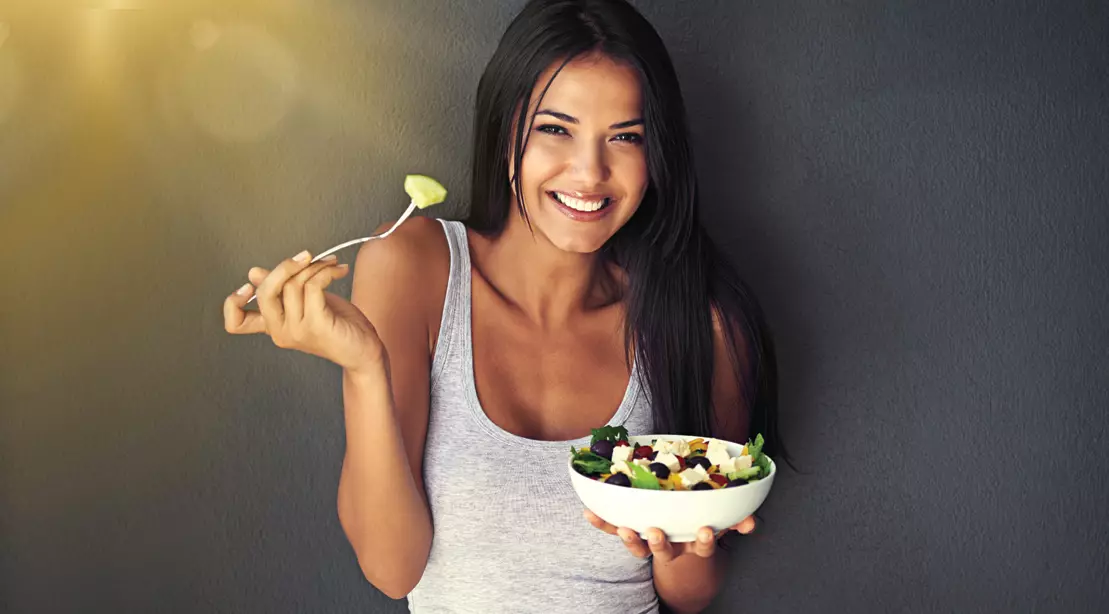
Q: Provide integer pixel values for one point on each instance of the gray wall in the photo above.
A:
(916, 190)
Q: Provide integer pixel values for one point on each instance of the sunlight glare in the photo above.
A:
(204, 34)
(240, 82)
(11, 76)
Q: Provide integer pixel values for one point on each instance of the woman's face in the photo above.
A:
(584, 167)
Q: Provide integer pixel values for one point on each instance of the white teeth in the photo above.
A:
(579, 204)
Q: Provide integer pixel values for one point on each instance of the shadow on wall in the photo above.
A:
(735, 161)
(731, 165)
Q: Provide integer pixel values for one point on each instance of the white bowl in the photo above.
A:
(678, 513)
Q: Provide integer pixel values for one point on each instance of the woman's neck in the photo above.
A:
(548, 285)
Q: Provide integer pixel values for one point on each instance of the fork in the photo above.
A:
(407, 213)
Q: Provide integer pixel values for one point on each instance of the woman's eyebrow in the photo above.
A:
(573, 120)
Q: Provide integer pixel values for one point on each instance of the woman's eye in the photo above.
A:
(627, 137)
(551, 129)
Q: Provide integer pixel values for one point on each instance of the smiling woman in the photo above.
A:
(581, 292)
(584, 157)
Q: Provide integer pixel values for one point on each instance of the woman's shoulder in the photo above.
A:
(418, 246)
(409, 268)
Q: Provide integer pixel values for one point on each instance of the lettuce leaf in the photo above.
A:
(760, 463)
(588, 462)
(763, 462)
(611, 433)
(755, 449)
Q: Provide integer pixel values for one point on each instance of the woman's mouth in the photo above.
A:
(583, 209)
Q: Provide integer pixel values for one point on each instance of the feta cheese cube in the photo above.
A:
(642, 462)
(621, 467)
(693, 475)
(621, 453)
(680, 447)
(718, 455)
(727, 466)
(743, 462)
(669, 460)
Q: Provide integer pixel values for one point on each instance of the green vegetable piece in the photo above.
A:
(745, 474)
(763, 462)
(755, 449)
(758, 459)
(589, 463)
(610, 433)
(644, 478)
(424, 190)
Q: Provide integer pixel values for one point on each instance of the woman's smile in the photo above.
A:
(581, 207)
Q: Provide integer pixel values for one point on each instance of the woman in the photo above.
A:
(581, 291)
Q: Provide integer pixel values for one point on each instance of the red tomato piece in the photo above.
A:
(681, 463)
(719, 479)
(643, 452)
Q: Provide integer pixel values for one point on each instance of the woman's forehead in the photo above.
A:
(590, 88)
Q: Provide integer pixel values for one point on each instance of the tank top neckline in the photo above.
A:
(462, 272)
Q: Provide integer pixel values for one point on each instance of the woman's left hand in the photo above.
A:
(660, 547)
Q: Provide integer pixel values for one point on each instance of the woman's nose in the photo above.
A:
(590, 164)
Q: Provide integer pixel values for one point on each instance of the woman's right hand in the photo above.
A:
(297, 314)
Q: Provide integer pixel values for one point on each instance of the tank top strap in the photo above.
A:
(454, 328)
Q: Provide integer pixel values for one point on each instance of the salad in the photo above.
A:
(668, 464)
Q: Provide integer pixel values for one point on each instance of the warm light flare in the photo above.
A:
(239, 83)
(11, 77)
(204, 34)
(241, 108)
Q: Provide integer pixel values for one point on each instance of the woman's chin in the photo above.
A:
(581, 248)
(579, 242)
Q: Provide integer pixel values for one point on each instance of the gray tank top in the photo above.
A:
(509, 535)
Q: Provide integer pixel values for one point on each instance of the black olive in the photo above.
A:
(693, 461)
(661, 471)
(619, 479)
(736, 483)
(602, 448)
(702, 486)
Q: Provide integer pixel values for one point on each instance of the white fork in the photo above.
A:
(407, 213)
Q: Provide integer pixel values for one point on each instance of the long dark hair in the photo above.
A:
(677, 278)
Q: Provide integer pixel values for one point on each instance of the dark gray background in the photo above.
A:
(916, 190)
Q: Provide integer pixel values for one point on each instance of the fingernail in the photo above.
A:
(705, 538)
(654, 539)
(301, 257)
(626, 536)
(245, 290)
(330, 258)
(344, 266)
